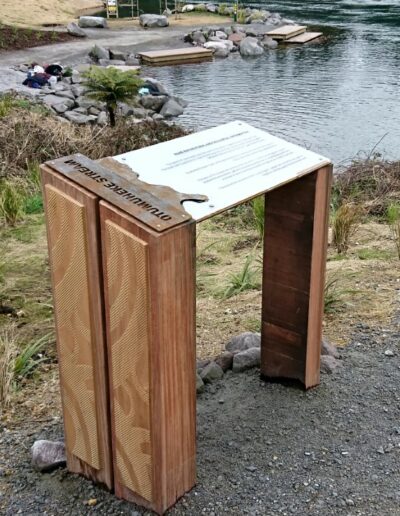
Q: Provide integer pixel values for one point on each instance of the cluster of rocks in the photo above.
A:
(112, 57)
(244, 352)
(245, 16)
(249, 40)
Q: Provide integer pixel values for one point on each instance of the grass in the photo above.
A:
(332, 293)
(345, 221)
(374, 254)
(243, 280)
(258, 205)
(8, 351)
(12, 201)
(30, 357)
(393, 218)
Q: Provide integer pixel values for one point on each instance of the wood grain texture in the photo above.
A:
(72, 227)
(172, 396)
(295, 242)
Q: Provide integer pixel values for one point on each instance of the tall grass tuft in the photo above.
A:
(258, 205)
(393, 218)
(12, 200)
(30, 357)
(246, 279)
(345, 221)
(8, 351)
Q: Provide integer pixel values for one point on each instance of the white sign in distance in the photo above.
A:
(229, 164)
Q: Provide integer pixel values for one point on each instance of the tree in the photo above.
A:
(110, 85)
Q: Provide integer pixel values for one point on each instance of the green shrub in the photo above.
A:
(241, 16)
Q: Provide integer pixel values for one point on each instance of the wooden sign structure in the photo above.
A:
(122, 254)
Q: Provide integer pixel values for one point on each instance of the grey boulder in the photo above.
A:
(97, 52)
(328, 349)
(211, 373)
(75, 30)
(153, 20)
(250, 47)
(246, 359)
(199, 383)
(48, 455)
(65, 94)
(77, 118)
(171, 108)
(119, 55)
(102, 118)
(225, 360)
(269, 43)
(198, 37)
(244, 341)
(219, 47)
(92, 22)
(153, 102)
(329, 364)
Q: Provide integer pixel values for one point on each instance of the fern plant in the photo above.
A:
(110, 85)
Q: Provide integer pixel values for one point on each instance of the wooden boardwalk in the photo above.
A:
(286, 32)
(304, 38)
(176, 56)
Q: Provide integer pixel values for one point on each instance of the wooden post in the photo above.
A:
(149, 284)
(73, 239)
(295, 241)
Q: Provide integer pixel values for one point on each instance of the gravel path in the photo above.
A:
(263, 448)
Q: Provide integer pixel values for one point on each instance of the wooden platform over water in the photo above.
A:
(286, 32)
(176, 56)
(304, 38)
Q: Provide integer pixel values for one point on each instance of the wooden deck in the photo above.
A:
(304, 38)
(176, 56)
(286, 32)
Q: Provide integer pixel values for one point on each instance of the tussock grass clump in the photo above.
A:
(393, 217)
(258, 205)
(12, 200)
(375, 183)
(345, 221)
(8, 351)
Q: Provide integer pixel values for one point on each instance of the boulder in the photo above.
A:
(78, 90)
(138, 112)
(160, 88)
(236, 37)
(60, 108)
(124, 68)
(244, 341)
(65, 94)
(257, 29)
(221, 34)
(269, 43)
(94, 111)
(167, 12)
(153, 20)
(183, 103)
(199, 384)
(81, 110)
(188, 8)
(198, 37)
(85, 102)
(76, 118)
(211, 8)
(200, 8)
(119, 55)
(250, 47)
(246, 359)
(51, 100)
(97, 52)
(201, 363)
(75, 30)
(225, 360)
(211, 373)
(111, 62)
(76, 77)
(131, 60)
(329, 364)
(153, 102)
(102, 118)
(48, 455)
(92, 22)
(219, 47)
(328, 349)
(171, 108)
(157, 117)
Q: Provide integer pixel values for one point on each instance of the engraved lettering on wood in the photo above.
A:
(127, 283)
(67, 244)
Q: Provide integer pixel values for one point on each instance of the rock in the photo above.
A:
(389, 353)
(246, 359)
(211, 373)
(52, 100)
(211, 8)
(81, 110)
(200, 8)
(153, 20)
(236, 37)
(171, 108)
(167, 12)
(221, 34)
(76, 77)
(199, 384)
(329, 364)
(76, 118)
(119, 55)
(66, 80)
(244, 341)
(188, 8)
(157, 117)
(92, 22)
(269, 43)
(219, 48)
(329, 349)
(94, 111)
(250, 47)
(155, 83)
(111, 62)
(78, 90)
(124, 67)
(60, 108)
(131, 60)
(48, 455)
(201, 363)
(83, 67)
(102, 118)
(65, 94)
(154, 102)
(139, 112)
(183, 103)
(225, 360)
(85, 102)
(198, 37)
(97, 52)
(75, 30)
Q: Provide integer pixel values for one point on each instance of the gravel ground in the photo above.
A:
(263, 448)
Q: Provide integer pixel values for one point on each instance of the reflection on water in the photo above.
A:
(337, 98)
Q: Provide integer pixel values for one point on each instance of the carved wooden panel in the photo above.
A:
(126, 263)
(67, 229)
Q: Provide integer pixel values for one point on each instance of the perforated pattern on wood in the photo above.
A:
(67, 247)
(127, 284)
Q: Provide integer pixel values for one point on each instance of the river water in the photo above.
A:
(340, 98)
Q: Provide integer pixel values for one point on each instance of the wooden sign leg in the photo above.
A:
(149, 281)
(295, 242)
